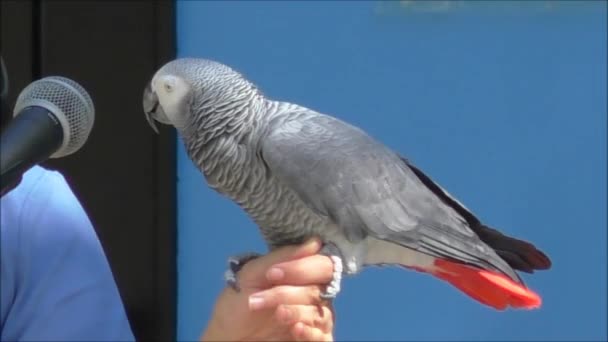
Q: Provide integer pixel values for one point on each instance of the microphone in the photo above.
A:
(53, 118)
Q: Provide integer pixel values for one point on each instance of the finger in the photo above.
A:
(315, 269)
(285, 294)
(316, 316)
(302, 332)
(255, 270)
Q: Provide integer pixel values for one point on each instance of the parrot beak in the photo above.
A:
(150, 104)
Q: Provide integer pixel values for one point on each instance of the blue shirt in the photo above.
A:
(55, 281)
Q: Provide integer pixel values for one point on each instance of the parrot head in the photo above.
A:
(186, 89)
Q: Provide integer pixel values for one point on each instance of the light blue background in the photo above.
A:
(503, 103)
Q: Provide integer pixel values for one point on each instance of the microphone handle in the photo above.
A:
(30, 138)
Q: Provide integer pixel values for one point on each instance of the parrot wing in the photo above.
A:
(368, 190)
(519, 254)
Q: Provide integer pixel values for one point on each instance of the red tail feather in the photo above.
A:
(490, 288)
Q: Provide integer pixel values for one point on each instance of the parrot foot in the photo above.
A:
(333, 288)
(235, 264)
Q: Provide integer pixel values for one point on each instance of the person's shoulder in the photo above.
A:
(36, 182)
(50, 249)
(32, 185)
(43, 203)
(40, 183)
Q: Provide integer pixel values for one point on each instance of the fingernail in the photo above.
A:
(256, 303)
(314, 240)
(275, 274)
(299, 328)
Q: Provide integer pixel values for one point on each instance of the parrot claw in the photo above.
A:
(235, 264)
(333, 288)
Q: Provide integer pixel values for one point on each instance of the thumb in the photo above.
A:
(308, 248)
(254, 272)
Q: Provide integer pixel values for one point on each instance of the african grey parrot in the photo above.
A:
(299, 173)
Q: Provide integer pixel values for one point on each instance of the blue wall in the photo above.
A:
(503, 103)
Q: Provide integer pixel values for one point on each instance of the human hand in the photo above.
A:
(279, 299)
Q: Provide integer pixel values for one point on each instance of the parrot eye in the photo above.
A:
(169, 83)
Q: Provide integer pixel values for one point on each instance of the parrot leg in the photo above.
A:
(333, 288)
(235, 264)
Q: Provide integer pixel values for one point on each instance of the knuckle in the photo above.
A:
(245, 275)
(323, 318)
(316, 335)
(287, 294)
(285, 314)
(246, 269)
(281, 294)
(315, 294)
(318, 321)
(328, 267)
(307, 334)
(299, 332)
(329, 319)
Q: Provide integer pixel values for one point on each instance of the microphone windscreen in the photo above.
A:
(70, 104)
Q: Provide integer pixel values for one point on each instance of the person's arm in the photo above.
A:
(279, 299)
(64, 289)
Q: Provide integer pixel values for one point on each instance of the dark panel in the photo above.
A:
(125, 174)
(166, 181)
(16, 49)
